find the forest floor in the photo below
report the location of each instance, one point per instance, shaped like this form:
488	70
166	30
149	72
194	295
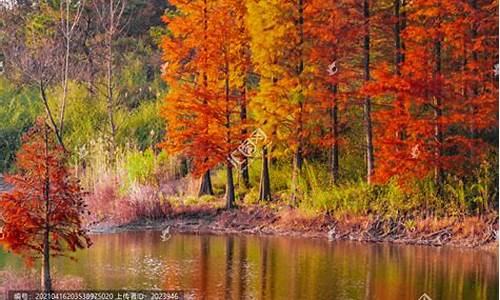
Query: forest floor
464	232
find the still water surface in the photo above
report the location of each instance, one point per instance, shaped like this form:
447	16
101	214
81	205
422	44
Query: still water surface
248	267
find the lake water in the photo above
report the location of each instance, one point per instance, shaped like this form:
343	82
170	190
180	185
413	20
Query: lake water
249	267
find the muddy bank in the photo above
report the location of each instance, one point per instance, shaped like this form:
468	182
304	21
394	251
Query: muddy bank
465	232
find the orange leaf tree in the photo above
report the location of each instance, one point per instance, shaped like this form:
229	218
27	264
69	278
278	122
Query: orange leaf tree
187	53
206	65
41	215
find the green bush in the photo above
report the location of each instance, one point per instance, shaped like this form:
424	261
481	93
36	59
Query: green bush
141	166
85	115
280	173
252	197
218	177
18	110
143	127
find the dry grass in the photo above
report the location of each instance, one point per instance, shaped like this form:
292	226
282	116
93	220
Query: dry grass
142	202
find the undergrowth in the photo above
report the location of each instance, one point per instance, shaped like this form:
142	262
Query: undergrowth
134	185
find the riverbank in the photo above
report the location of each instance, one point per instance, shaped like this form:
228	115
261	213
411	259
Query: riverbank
463	232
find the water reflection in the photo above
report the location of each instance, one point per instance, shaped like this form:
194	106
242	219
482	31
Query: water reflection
245	267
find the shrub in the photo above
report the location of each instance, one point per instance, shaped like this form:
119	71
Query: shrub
146	203
252	197
85	114
141	167
218	177
143	127
18	110
280	175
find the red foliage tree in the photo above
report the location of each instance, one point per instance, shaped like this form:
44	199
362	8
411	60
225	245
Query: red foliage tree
444	96
41	215
331	31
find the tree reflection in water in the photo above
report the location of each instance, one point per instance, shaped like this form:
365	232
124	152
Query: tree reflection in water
250	267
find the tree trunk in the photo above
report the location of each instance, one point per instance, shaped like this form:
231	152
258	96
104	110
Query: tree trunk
46	278
296	173
229	187
402	29
110	102
65	88
264	186
205	185
206	182
50	117
67	32
243	117
335	135
297	160
184	169
229	168
438	133
110	35
397	36
475	88
367	105
398	59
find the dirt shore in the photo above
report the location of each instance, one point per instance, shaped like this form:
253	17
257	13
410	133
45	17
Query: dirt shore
465	232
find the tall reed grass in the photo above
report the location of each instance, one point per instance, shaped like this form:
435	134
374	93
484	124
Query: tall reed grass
125	184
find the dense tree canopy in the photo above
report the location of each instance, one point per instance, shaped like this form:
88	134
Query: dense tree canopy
412	83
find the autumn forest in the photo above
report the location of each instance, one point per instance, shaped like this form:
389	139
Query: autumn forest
407	90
